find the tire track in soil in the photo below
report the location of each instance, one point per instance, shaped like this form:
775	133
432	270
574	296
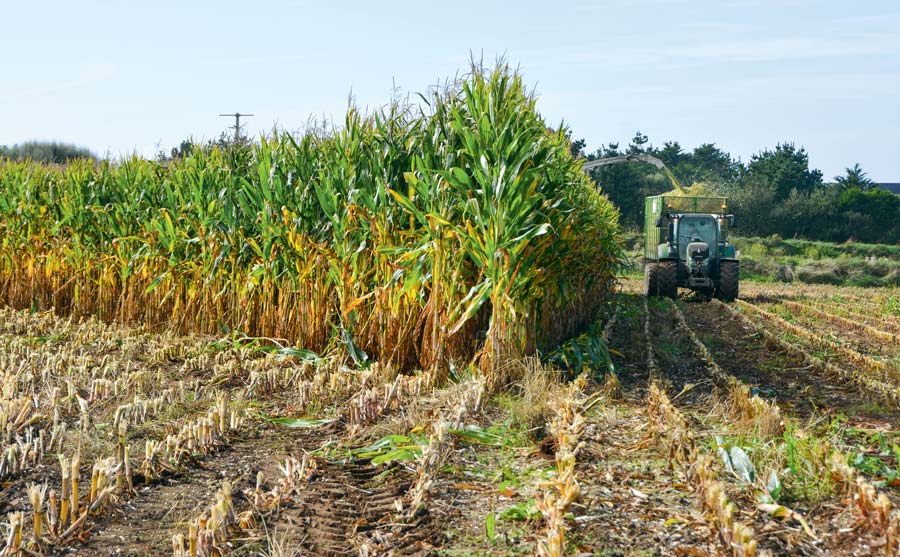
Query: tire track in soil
347	506
674	354
13	495
797	388
626	342
143	525
691	385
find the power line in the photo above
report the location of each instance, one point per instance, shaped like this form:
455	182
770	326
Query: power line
237	124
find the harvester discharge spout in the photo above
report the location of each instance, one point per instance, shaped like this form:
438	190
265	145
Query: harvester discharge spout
638	157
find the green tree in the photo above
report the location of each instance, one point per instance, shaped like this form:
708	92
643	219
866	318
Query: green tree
637	143
46	151
754	202
576	147
188	147
855	178
875	212
672	154
708	163
814	215
786	168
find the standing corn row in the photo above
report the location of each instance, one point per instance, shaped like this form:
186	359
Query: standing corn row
462	233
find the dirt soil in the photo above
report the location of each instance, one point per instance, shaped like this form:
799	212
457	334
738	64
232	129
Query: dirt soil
632	503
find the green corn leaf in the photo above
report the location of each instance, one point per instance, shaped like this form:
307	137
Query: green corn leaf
294	423
490	525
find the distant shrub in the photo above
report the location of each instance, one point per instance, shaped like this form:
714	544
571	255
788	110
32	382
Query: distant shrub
756	251
46	152
866	281
816	274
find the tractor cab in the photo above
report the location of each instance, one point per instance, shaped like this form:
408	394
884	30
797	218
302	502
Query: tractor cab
695	237
694	230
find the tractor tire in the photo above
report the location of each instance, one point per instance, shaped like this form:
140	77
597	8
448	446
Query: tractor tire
729	280
651	280
667	279
660	279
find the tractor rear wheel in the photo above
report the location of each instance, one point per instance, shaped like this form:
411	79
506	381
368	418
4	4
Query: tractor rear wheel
667	279
660	279
728	281
651	280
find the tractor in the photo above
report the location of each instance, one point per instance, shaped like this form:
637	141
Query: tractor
686	245
685	240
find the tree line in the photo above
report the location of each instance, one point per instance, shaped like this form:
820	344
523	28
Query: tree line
776	192
52	152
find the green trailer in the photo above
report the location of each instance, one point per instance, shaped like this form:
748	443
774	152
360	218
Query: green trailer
686	245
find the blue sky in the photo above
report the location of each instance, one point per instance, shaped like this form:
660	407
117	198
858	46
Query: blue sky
123	76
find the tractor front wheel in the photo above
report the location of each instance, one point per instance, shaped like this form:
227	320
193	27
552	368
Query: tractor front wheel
728	281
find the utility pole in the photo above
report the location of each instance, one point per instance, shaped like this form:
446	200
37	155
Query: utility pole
237	124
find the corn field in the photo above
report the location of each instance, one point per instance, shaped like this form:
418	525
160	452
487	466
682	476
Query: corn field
457	231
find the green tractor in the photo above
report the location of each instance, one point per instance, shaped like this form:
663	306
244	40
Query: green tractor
686	245
685	239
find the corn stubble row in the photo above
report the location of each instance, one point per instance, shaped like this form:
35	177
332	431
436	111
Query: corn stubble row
210	530
468	401
877	335
566	427
65	513
365	395
873	375
55	394
72	402
683	452
209	534
670	424
862	304
873	508
458	231
877	320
